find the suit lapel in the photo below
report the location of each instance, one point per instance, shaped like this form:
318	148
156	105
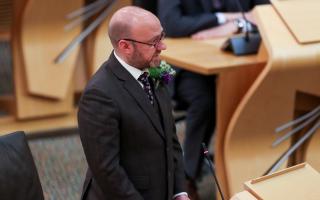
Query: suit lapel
138	94
164	109
136	91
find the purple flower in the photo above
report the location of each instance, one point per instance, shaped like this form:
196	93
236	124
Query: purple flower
162	74
166	78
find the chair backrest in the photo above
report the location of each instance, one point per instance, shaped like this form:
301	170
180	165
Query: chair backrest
19	179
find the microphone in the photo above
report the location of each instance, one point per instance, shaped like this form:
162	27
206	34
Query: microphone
243	44
205	153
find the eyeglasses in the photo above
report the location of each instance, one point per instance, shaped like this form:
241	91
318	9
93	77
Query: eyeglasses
155	44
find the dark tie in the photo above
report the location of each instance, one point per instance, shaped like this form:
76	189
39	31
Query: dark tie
143	78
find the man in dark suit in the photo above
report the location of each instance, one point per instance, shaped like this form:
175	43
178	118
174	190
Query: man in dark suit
200	19
126	127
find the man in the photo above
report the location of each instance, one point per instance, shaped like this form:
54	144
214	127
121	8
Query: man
200	19
127	130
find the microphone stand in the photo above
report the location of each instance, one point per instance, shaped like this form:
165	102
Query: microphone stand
205	153
246	27
243	44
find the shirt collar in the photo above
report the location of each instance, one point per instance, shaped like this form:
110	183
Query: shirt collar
135	72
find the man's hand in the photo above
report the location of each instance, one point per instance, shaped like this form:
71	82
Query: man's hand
182	197
233	16
216	32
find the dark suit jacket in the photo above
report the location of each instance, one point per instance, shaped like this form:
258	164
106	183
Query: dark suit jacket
130	154
181	18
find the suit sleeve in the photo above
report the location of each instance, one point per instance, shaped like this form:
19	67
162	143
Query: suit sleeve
177	24
98	120
260	2
180	177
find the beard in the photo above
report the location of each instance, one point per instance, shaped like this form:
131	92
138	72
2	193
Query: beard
138	60
155	61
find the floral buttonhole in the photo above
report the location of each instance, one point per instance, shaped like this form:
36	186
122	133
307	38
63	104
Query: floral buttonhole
162	74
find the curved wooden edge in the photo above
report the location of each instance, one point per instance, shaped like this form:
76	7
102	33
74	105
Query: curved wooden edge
28	106
232	86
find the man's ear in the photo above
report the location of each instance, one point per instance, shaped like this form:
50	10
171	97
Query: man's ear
124	46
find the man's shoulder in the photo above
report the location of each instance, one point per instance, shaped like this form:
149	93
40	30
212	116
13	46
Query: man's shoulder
103	79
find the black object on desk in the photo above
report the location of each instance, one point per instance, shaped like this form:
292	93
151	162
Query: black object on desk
244	44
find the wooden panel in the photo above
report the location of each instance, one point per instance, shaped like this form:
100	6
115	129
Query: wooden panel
270	101
7	104
43	38
80	75
10	124
28	106
301	17
231	87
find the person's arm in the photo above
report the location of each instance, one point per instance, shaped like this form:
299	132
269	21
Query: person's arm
177	24
179	173
260	2
98	121
221	31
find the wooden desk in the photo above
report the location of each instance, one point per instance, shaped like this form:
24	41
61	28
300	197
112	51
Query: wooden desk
234	77
205	56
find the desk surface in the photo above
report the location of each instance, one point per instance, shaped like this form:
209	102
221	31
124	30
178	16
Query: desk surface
193	55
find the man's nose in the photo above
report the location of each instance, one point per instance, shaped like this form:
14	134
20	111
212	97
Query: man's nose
162	45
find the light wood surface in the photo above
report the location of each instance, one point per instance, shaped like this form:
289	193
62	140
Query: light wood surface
270	101
244	195
301	17
204	57
28	106
295	183
42	39
10	124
